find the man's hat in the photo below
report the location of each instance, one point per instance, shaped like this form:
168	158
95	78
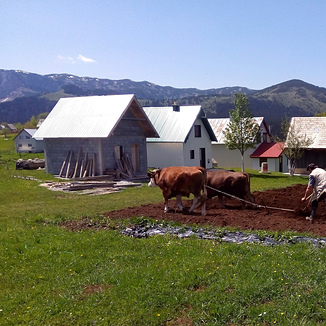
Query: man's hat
311	166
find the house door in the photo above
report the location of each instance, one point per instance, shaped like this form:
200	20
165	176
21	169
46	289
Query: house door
280	165
202	153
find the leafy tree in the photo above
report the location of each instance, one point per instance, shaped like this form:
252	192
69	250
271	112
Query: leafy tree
19	126
321	114
242	130
5	131
295	144
32	123
42	115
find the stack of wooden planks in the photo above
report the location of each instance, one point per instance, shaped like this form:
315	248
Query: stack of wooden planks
125	168
84	165
81	167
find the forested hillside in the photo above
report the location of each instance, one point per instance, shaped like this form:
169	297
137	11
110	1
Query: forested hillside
23	95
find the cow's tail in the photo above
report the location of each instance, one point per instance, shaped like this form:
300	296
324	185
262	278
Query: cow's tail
203	197
251	197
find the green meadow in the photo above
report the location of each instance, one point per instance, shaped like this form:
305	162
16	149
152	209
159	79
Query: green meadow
50	275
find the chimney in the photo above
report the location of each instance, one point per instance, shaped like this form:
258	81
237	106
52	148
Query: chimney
176	107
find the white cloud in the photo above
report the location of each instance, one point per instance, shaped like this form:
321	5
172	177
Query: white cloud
84	59
73	60
66	59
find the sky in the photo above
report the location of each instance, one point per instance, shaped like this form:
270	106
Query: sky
180	43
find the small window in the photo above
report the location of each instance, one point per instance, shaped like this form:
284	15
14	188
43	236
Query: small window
28	137
264	137
20	145
192	154
30	145
197	130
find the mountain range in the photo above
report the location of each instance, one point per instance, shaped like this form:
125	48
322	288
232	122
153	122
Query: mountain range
24	94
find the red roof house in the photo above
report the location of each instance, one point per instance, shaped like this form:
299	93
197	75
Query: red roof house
272	153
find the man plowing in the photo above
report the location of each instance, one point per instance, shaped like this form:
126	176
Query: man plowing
316	188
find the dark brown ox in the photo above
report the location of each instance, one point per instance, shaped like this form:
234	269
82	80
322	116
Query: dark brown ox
222	182
178	181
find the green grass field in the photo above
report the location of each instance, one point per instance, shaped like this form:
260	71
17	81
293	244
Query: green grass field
53	276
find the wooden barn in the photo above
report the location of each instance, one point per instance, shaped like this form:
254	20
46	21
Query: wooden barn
185	137
95	135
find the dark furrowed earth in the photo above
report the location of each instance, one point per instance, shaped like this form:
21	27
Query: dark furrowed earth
272	214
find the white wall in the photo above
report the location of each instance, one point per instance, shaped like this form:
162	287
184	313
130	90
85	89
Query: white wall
273	164
226	158
160	155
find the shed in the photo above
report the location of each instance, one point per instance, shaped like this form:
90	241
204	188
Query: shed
272	154
185	137
313	128
232	158
98	132
25	143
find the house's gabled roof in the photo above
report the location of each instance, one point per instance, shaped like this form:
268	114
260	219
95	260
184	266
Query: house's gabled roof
219	125
92	117
268	150
311	127
31	132
11	127
175	126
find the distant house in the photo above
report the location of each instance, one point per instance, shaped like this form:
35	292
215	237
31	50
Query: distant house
11	127
25	143
98	131
313	128
226	158
272	154
185	137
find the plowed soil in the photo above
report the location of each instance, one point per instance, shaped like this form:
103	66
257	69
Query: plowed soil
273	216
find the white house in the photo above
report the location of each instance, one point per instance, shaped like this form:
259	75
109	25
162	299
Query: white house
25	143
185	137
226	158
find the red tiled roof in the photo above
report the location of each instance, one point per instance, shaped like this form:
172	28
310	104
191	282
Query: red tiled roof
268	150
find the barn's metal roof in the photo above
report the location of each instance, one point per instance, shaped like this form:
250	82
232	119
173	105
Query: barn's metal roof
311	127
175	126
219	124
91	117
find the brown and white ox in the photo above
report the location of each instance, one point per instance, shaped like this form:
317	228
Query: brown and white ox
178	181
222	182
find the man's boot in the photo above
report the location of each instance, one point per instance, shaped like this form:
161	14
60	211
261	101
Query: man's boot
312	215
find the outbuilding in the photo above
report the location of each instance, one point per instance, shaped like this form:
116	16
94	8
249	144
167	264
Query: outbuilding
272	155
98	132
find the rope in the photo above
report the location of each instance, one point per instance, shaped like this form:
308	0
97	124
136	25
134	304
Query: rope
253	204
